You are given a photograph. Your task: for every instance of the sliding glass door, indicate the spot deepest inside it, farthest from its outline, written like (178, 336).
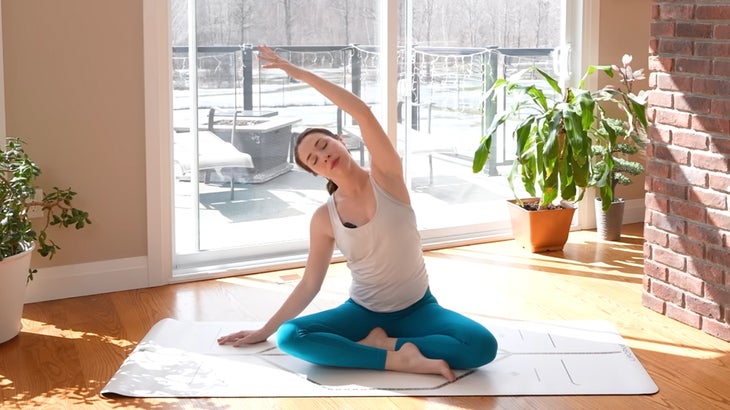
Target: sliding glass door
(241, 203)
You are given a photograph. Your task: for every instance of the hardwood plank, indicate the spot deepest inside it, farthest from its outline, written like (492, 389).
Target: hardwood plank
(70, 348)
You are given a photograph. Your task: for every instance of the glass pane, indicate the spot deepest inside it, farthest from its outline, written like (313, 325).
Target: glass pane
(240, 197)
(453, 57)
(249, 198)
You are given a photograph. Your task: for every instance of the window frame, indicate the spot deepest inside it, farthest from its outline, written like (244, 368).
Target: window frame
(158, 126)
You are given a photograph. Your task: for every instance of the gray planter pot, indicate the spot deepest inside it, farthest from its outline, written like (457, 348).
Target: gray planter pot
(608, 224)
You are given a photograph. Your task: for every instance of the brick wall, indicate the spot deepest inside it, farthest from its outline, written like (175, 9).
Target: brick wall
(687, 233)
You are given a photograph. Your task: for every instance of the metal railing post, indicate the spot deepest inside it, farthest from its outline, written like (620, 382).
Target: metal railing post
(490, 109)
(247, 84)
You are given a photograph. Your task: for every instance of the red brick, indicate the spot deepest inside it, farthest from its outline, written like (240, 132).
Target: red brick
(673, 82)
(690, 139)
(720, 145)
(717, 329)
(703, 307)
(650, 114)
(705, 271)
(711, 124)
(657, 63)
(705, 233)
(717, 294)
(693, 103)
(712, 86)
(711, 48)
(659, 98)
(720, 256)
(712, 12)
(684, 316)
(652, 302)
(720, 108)
(653, 47)
(667, 292)
(659, 134)
(657, 169)
(655, 270)
(693, 66)
(658, 204)
(672, 154)
(694, 30)
(662, 29)
(690, 176)
(720, 219)
(673, 118)
(645, 279)
(686, 282)
(668, 223)
(708, 198)
(670, 189)
(721, 68)
(722, 32)
(710, 161)
(688, 210)
(648, 182)
(669, 258)
(720, 182)
(676, 12)
(656, 236)
(676, 46)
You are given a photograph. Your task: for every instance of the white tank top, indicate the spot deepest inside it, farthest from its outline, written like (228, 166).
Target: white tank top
(384, 255)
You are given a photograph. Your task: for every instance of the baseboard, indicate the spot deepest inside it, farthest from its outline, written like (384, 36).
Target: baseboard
(87, 279)
(634, 211)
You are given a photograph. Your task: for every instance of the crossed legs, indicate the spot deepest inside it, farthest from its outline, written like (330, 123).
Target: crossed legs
(423, 338)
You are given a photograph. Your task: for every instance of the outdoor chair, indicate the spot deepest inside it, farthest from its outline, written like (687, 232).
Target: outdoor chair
(214, 155)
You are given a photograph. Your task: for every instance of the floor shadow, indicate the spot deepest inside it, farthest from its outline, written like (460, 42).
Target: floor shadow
(269, 200)
(452, 189)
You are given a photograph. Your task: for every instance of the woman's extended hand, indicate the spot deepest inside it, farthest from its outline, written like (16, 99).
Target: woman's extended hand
(273, 60)
(243, 337)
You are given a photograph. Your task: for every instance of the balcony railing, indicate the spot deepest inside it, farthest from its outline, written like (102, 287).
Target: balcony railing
(437, 72)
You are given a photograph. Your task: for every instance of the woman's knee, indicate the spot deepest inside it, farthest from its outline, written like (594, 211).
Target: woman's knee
(484, 347)
(288, 335)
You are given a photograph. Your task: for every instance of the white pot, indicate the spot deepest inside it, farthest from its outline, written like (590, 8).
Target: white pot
(13, 277)
(609, 223)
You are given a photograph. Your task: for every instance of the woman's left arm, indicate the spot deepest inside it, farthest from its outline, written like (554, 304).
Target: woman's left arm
(384, 159)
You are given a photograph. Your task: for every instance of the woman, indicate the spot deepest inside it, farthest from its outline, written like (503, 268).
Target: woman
(391, 320)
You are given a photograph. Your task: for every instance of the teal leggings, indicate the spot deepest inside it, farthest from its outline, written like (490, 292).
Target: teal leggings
(329, 338)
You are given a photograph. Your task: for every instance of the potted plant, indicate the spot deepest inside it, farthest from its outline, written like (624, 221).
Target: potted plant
(19, 236)
(554, 138)
(616, 139)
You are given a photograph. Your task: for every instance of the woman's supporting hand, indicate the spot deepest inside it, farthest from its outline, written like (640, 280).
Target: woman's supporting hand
(243, 337)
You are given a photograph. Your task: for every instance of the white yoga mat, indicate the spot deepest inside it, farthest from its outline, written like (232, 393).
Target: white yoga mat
(182, 359)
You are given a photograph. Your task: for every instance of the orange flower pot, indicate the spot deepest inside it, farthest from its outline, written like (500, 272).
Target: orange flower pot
(541, 231)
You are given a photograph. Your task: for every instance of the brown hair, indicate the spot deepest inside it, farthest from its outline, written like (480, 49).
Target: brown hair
(331, 186)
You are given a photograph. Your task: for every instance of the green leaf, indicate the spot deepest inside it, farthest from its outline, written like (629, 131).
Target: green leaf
(551, 81)
(481, 154)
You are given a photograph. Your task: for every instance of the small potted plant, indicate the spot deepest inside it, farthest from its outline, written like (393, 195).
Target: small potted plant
(554, 136)
(18, 233)
(616, 140)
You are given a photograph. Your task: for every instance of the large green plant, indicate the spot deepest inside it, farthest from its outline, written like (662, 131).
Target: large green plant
(17, 197)
(556, 131)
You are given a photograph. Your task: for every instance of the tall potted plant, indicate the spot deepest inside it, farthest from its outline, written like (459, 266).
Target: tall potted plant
(554, 138)
(616, 139)
(18, 233)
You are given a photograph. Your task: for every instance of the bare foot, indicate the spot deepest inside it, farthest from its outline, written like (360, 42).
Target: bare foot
(378, 338)
(409, 359)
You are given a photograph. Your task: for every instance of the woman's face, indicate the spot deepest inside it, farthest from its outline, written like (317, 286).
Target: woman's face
(323, 154)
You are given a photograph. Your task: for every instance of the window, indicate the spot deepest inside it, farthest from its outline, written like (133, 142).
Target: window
(238, 201)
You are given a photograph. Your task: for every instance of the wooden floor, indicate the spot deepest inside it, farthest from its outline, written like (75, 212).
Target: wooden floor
(70, 348)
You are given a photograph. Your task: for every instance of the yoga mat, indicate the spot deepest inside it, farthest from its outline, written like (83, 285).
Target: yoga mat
(183, 359)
